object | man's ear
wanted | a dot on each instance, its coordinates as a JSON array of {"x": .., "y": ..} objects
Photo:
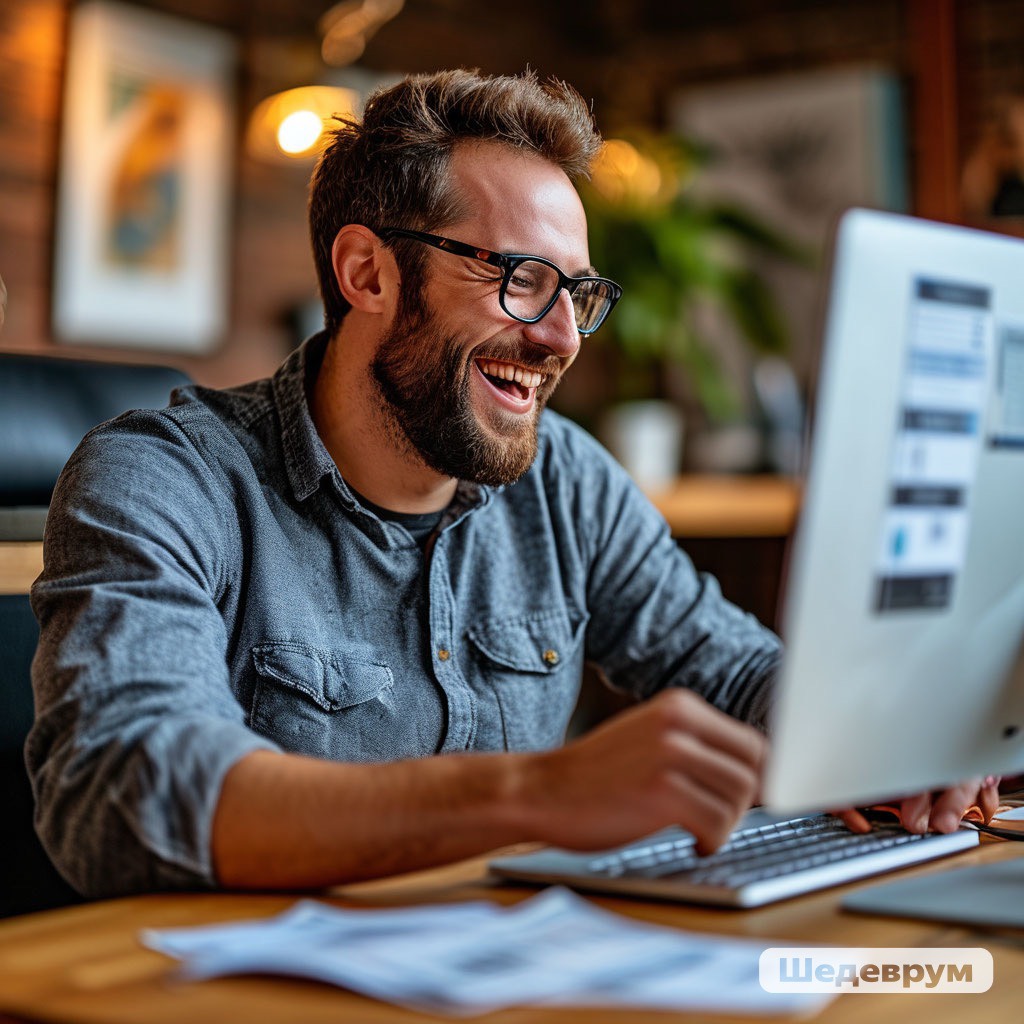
[{"x": 366, "y": 273}]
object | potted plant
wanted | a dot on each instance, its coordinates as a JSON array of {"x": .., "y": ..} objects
[{"x": 676, "y": 255}]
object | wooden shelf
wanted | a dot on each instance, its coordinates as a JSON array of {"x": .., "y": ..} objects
[
  {"x": 20, "y": 563},
  {"x": 730, "y": 506}
]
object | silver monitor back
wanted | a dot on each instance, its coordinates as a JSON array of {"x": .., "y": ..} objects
[{"x": 905, "y": 607}]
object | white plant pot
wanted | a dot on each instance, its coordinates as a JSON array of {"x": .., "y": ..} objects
[{"x": 647, "y": 439}]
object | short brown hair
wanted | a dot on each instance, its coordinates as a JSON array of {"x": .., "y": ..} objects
[{"x": 392, "y": 168}]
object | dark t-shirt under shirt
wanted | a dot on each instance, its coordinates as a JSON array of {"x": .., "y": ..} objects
[{"x": 419, "y": 524}]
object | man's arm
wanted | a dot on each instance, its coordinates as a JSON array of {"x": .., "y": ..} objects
[
  {"x": 289, "y": 821},
  {"x": 136, "y": 723}
]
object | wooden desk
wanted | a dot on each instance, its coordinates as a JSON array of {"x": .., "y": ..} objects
[{"x": 84, "y": 965}]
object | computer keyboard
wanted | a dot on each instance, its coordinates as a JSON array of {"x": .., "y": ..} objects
[{"x": 764, "y": 861}]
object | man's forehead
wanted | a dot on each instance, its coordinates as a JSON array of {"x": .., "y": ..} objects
[
  {"x": 520, "y": 199},
  {"x": 494, "y": 175}
]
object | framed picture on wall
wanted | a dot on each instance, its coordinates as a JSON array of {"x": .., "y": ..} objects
[
  {"x": 141, "y": 244},
  {"x": 797, "y": 149}
]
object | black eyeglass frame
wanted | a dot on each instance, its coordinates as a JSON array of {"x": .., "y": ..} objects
[{"x": 507, "y": 263}]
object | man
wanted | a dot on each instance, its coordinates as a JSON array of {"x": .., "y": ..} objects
[{"x": 331, "y": 625}]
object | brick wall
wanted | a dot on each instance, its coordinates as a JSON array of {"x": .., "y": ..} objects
[{"x": 627, "y": 54}]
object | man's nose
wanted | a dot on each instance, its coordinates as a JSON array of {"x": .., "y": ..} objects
[{"x": 556, "y": 330}]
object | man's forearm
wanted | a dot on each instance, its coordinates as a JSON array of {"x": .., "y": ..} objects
[
  {"x": 295, "y": 822},
  {"x": 288, "y": 821}
]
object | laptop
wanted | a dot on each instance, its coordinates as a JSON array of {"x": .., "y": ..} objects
[{"x": 904, "y": 613}]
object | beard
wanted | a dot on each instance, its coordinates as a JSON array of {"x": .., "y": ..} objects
[{"x": 424, "y": 380}]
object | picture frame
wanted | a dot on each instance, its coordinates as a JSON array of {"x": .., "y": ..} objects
[
  {"x": 796, "y": 149},
  {"x": 141, "y": 240},
  {"x": 800, "y": 147}
]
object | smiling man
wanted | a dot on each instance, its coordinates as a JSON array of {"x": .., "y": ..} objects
[{"x": 332, "y": 625}]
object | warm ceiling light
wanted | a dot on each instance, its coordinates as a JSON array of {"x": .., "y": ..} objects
[
  {"x": 299, "y": 132},
  {"x": 290, "y": 125}
]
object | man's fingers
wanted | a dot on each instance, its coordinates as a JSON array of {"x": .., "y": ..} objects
[
  {"x": 949, "y": 807},
  {"x": 916, "y": 812},
  {"x": 854, "y": 820},
  {"x": 712, "y": 765},
  {"x": 717, "y": 772},
  {"x": 988, "y": 800},
  {"x": 691, "y": 713},
  {"x": 719, "y": 754},
  {"x": 705, "y": 815}
]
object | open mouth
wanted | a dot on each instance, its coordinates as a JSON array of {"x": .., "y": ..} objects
[{"x": 516, "y": 383}]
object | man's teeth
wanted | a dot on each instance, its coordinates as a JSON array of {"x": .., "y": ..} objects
[{"x": 505, "y": 371}]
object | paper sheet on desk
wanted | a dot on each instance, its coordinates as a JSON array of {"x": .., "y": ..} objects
[{"x": 470, "y": 958}]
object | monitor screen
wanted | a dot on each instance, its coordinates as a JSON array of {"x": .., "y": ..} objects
[{"x": 905, "y": 603}]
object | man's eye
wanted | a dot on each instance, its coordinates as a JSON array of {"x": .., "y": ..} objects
[{"x": 523, "y": 281}]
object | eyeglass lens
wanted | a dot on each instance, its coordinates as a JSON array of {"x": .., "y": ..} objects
[{"x": 532, "y": 285}]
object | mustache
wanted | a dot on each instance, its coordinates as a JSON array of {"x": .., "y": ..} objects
[{"x": 524, "y": 354}]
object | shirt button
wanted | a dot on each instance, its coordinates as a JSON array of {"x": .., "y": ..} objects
[
  {"x": 550, "y": 656},
  {"x": 443, "y": 655}
]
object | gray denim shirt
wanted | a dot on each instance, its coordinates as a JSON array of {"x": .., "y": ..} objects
[{"x": 212, "y": 587}]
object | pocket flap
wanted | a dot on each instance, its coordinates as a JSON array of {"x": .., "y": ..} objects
[
  {"x": 332, "y": 679},
  {"x": 536, "y": 643}
]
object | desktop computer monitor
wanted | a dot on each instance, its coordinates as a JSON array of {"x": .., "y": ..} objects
[{"x": 905, "y": 605}]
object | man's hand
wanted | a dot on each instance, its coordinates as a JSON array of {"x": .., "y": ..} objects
[
  {"x": 674, "y": 760},
  {"x": 940, "y": 811}
]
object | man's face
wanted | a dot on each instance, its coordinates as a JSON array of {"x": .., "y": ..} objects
[{"x": 464, "y": 383}]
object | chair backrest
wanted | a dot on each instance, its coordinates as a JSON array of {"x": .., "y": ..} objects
[
  {"x": 47, "y": 405},
  {"x": 28, "y": 881}
]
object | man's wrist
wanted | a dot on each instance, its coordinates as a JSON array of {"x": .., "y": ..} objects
[{"x": 524, "y": 795}]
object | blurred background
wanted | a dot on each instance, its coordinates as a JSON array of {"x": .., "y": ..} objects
[{"x": 149, "y": 210}]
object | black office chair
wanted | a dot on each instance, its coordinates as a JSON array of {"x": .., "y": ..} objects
[{"x": 47, "y": 405}]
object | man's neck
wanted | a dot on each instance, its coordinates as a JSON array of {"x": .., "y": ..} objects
[{"x": 357, "y": 434}]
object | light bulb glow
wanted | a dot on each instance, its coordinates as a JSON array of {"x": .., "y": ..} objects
[
  {"x": 299, "y": 131},
  {"x": 624, "y": 174},
  {"x": 295, "y": 124}
]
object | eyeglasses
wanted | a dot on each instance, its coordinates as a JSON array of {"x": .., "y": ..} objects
[{"x": 530, "y": 284}]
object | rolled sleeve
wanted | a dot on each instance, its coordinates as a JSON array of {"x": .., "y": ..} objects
[{"x": 136, "y": 725}]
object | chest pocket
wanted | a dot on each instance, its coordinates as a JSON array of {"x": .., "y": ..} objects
[
  {"x": 534, "y": 664},
  {"x": 325, "y": 703}
]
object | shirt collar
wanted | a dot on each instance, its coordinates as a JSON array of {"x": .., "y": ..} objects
[{"x": 306, "y": 458}]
